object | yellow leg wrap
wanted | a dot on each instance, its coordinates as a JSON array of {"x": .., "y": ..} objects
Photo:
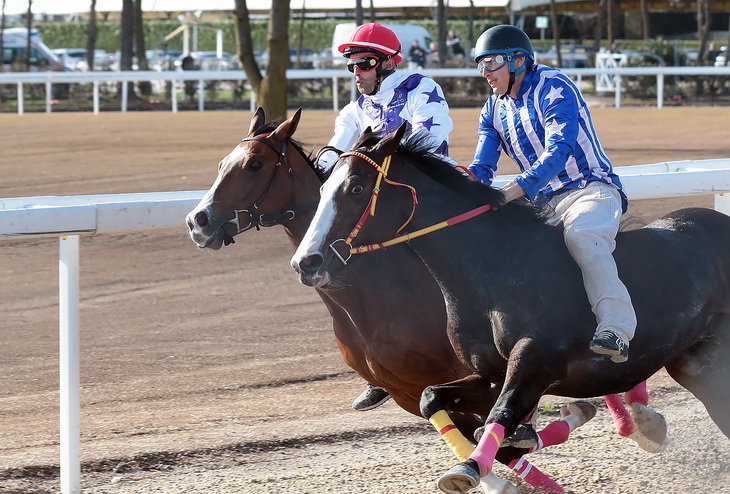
[{"x": 451, "y": 435}]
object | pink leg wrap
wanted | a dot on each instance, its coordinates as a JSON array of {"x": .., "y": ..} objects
[
  {"x": 533, "y": 476},
  {"x": 621, "y": 418},
  {"x": 487, "y": 448},
  {"x": 554, "y": 433},
  {"x": 638, "y": 394}
]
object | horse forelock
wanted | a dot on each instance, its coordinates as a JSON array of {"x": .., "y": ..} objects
[
  {"x": 270, "y": 127},
  {"x": 416, "y": 149}
]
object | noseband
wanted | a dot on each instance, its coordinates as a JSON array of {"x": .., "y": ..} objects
[
  {"x": 266, "y": 220},
  {"x": 370, "y": 211}
]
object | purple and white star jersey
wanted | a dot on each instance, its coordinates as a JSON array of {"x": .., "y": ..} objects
[
  {"x": 413, "y": 98},
  {"x": 548, "y": 131}
]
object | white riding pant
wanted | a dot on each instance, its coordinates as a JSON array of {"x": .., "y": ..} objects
[{"x": 590, "y": 217}]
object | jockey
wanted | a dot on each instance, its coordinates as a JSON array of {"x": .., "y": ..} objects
[
  {"x": 538, "y": 116},
  {"x": 387, "y": 99}
]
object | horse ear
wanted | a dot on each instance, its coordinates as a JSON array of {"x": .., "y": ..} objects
[
  {"x": 390, "y": 142},
  {"x": 286, "y": 129},
  {"x": 258, "y": 119}
]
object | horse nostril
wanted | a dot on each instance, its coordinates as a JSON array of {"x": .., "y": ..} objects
[
  {"x": 201, "y": 218},
  {"x": 311, "y": 264}
]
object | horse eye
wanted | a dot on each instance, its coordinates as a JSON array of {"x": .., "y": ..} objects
[
  {"x": 357, "y": 189},
  {"x": 255, "y": 165}
]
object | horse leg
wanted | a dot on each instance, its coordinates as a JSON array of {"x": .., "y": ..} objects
[
  {"x": 462, "y": 395},
  {"x": 528, "y": 372},
  {"x": 573, "y": 415},
  {"x": 651, "y": 426}
]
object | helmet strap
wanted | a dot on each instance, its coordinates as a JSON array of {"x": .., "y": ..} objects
[
  {"x": 380, "y": 75},
  {"x": 513, "y": 72}
]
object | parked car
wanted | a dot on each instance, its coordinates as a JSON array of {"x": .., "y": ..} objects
[
  {"x": 15, "y": 43},
  {"x": 306, "y": 58},
  {"x": 720, "y": 59},
  {"x": 75, "y": 59},
  {"x": 209, "y": 60},
  {"x": 573, "y": 56}
]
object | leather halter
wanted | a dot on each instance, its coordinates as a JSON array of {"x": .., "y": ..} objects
[
  {"x": 370, "y": 211},
  {"x": 267, "y": 220}
]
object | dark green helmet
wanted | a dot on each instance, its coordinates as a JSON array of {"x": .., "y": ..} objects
[{"x": 503, "y": 39}]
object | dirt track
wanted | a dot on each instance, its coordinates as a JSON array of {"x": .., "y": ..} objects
[{"x": 217, "y": 372}]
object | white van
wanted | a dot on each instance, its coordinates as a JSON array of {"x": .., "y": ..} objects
[
  {"x": 15, "y": 43},
  {"x": 406, "y": 34}
]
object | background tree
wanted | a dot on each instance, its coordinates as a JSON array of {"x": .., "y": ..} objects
[
  {"x": 556, "y": 32},
  {"x": 441, "y": 28},
  {"x": 271, "y": 88},
  {"x": 30, "y": 26},
  {"x": 127, "y": 40},
  {"x": 703, "y": 28},
  {"x": 91, "y": 33},
  {"x": 2, "y": 33},
  {"x": 644, "y": 20},
  {"x": 140, "y": 48}
]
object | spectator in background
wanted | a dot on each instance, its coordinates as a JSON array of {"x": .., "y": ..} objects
[
  {"x": 432, "y": 59},
  {"x": 416, "y": 56},
  {"x": 188, "y": 63},
  {"x": 454, "y": 44}
]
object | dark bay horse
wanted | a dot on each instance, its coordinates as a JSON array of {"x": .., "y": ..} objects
[
  {"x": 516, "y": 306},
  {"x": 395, "y": 338}
]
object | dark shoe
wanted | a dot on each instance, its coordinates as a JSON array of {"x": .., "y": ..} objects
[
  {"x": 609, "y": 343},
  {"x": 372, "y": 397}
]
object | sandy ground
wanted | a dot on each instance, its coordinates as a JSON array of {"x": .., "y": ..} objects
[{"x": 218, "y": 373}]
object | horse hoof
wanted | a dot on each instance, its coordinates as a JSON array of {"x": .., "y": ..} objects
[
  {"x": 491, "y": 484},
  {"x": 460, "y": 478},
  {"x": 584, "y": 410},
  {"x": 651, "y": 428}
]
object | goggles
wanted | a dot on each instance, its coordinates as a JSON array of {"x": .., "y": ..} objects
[
  {"x": 492, "y": 63},
  {"x": 365, "y": 63}
]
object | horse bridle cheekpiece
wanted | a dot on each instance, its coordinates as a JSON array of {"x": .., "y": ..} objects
[
  {"x": 370, "y": 211},
  {"x": 266, "y": 220}
]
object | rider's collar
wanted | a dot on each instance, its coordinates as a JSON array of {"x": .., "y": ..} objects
[{"x": 388, "y": 83}]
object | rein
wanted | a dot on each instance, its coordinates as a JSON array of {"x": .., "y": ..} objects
[
  {"x": 267, "y": 220},
  {"x": 370, "y": 211}
]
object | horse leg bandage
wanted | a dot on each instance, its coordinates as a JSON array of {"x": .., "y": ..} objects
[
  {"x": 534, "y": 477},
  {"x": 638, "y": 394},
  {"x": 487, "y": 448},
  {"x": 554, "y": 433},
  {"x": 621, "y": 418},
  {"x": 451, "y": 435}
]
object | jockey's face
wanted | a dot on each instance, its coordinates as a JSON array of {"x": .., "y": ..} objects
[
  {"x": 499, "y": 79},
  {"x": 365, "y": 79}
]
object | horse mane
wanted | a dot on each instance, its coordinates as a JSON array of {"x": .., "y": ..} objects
[
  {"x": 269, "y": 127},
  {"x": 416, "y": 149}
]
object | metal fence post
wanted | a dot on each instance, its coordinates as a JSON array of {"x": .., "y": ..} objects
[{"x": 69, "y": 350}]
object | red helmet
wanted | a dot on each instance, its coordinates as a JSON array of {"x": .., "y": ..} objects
[{"x": 373, "y": 37}]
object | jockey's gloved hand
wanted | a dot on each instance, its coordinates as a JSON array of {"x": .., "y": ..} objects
[{"x": 327, "y": 159}]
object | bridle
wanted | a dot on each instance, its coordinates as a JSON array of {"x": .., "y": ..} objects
[
  {"x": 370, "y": 211},
  {"x": 267, "y": 220}
]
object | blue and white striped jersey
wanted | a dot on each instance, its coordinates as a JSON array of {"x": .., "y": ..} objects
[{"x": 548, "y": 131}]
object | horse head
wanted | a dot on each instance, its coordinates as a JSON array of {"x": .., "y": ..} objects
[
  {"x": 250, "y": 191},
  {"x": 348, "y": 201}
]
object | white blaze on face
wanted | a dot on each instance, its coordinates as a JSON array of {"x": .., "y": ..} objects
[
  {"x": 207, "y": 199},
  {"x": 313, "y": 240}
]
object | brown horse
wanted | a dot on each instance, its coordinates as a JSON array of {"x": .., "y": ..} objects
[
  {"x": 390, "y": 329},
  {"x": 516, "y": 304}
]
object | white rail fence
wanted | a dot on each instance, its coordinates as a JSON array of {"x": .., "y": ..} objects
[
  {"x": 71, "y": 216},
  {"x": 177, "y": 78}
]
